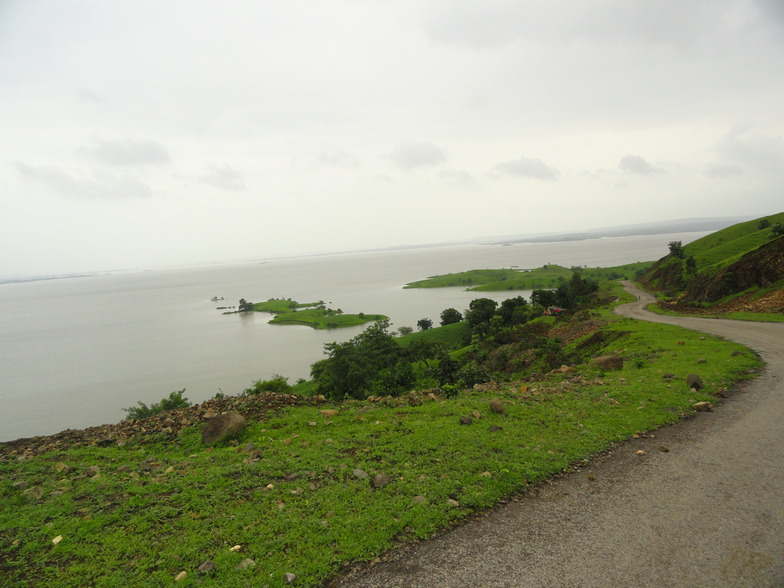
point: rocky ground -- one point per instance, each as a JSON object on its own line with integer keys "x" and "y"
{"x": 770, "y": 302}
{"x": 168, "y": 424}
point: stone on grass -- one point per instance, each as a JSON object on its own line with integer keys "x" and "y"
{"x": 246, "y": 563}
{"x": 361, "y": 474}
{"x": 181, "y": 576}
{"x": 290, "y": 578}
{"x": 452, "y": 502}
{"x": 379, "y": 480}
{"x": 206, "y": 567}
{"x": 702, "y": 406}
{"x": 496, "y": 406}
{"x": 694, "y": 381}
{"x": 465, "y": 420}
{"x": 608, "y": 362}
{"x": 419, "y": 499}
{"x": 223, "y": 427}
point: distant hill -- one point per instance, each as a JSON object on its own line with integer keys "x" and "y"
{"x": 744, "y": 258}
{"x": 684, "y": 225}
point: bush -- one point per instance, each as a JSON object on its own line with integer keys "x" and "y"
{"x": 174, "y": 401}
{"x": 277, "y": 384}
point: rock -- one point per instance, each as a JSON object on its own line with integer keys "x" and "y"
{"x": 452, "y": 502}
{"x": 668, "y": 376}
{"x": 694, "y": 381}
{"x": 419, "y": 499}
{"x": 290, "y": 578}
{"x": 361, "y": 474}
{"x": 702, "y": 360}
{"x": 477, "y": 414}
{"x": 702, "y": 406}
{"x": 640, "y": 452}
{"x": 223, "y": 427}
{"x": 329, "y": 412}
{"x": 496, "y": 406}
{"x": 246, "y": 563}
{"x": 663, "y": 448}
{"x": 608, "y": 362}
{"x": 494, "y": 428}
{"x": 464, "y": 420}
{"x": 181, "y": 576}
{"x": 379, "y": 480}
{"x": 206, "y": 568}
{"x": 566, "y": 369}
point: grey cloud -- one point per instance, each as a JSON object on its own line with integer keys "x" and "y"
{"x": 337, "y": 158}
{"x": 527, "y": 167}
{"x": 413, "y": 154}
{"x": 122, "y": 152}
{"x": 98, "y": 187}
{"x": 743, "y": 146}
{"x": 224, "y": 177}
{"x": 634, "y": 164}
{"x": 494, "y": 23}
{"x": 723, "y": 170}
{"x": 459, "y": 177}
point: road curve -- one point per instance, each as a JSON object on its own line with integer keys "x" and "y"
{"x": 709, "y": 512}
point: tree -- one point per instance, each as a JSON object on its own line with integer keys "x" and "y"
{"x": 479, "y": 313}
{"x": 543, "y": 298}
{"x": 509, "y": 311}
{"x": 676, "y": 249}
{"x": 763, "y": 224}
{"x": 403, "y": 331}
{"x": 141, "y": 410}
{"x": 244, "y": 305}
{"x": 778, "y": 230}
{"x": 351, "y": 368}
{"x": 424, "y": 324}
{"x": 450, "y": 316}
{"x": 691, "y": 265}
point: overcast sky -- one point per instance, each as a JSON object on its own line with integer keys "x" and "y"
{"x": 142, "y": 133}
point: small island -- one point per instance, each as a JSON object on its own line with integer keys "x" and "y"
{"x": 311, "y": 314}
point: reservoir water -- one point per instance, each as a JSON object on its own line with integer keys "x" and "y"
{"x": 74, "y": 352}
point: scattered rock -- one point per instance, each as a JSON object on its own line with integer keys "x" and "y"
{"x": 668, "y": 376}
{"x": 452, "y": 502}
{"x": 181, "y": 576}
{"x": 485, "y": 475}
{"x": 57, "y": 539}
{"x": 591, "y": 476}
{"x": 361, "y": 474}
{"x": 235, "y": 548}
{"x": 223, "y": 427}
{"x": 206, "y": 568}
{"x": 246, "y": 563}
{"x": 496, "y": 406}
{"x": 663, "y": 448}
{"x": 379, "y": 480}
{"x": 608, "y": 362}
{"x": 419, "y": 499}
{"x": 290, "y": 578}
{"x": 702, "y": 406}
{"x": 329, "y": 412}
{"x": 464, "y": 420}
{"x": 494, "y": 428}
{"x": 694, "y": 381}
{"x": 702, "y": 360}
{"x": 477, "y": 414}
{"x": 640, "y": 452}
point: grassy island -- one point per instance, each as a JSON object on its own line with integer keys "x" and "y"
{"x": 311, "y": 314}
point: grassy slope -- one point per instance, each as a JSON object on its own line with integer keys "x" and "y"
{"x": 287, "y": 493}
{"x": 550, "y": 276}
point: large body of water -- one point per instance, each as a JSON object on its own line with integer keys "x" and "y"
{"x": 74, "y": 352}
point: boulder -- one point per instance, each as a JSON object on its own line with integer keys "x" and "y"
{"x": 223, "y": 427}
{"x": 694, "y": 381}
{"x": 609, "y": 362}
{"x": 496, "y": 406}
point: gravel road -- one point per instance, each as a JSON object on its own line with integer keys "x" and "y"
{"x": 709, "y": 512}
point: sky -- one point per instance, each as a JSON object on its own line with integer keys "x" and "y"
{"x": 142, "y": 134}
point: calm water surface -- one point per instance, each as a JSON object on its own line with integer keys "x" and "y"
{"x": 74, "y": 352}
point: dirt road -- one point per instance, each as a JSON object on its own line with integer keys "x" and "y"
{"x": 709, "y": 512}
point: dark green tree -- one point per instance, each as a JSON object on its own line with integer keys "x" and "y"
{"x": 778, "y": 230}
{"x": 424, "y": 324}
{"x": 479, "y": 313}
{"x": 450, "y": 316}
{"x": 676, "y": 249}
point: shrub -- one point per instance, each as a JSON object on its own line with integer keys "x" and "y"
{"x": 277, "y": 384}
{"x": 174, "y": 401}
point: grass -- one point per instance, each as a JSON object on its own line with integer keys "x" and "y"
{"x": 288, "y": 495}
{"x": 549, "y": 276}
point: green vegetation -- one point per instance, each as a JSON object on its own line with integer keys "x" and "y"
{"x": 174, "y": 401}
{"x": 548, "y": 276}
{"x": 290, "y": 495}
{"x": 311, "y": 314}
